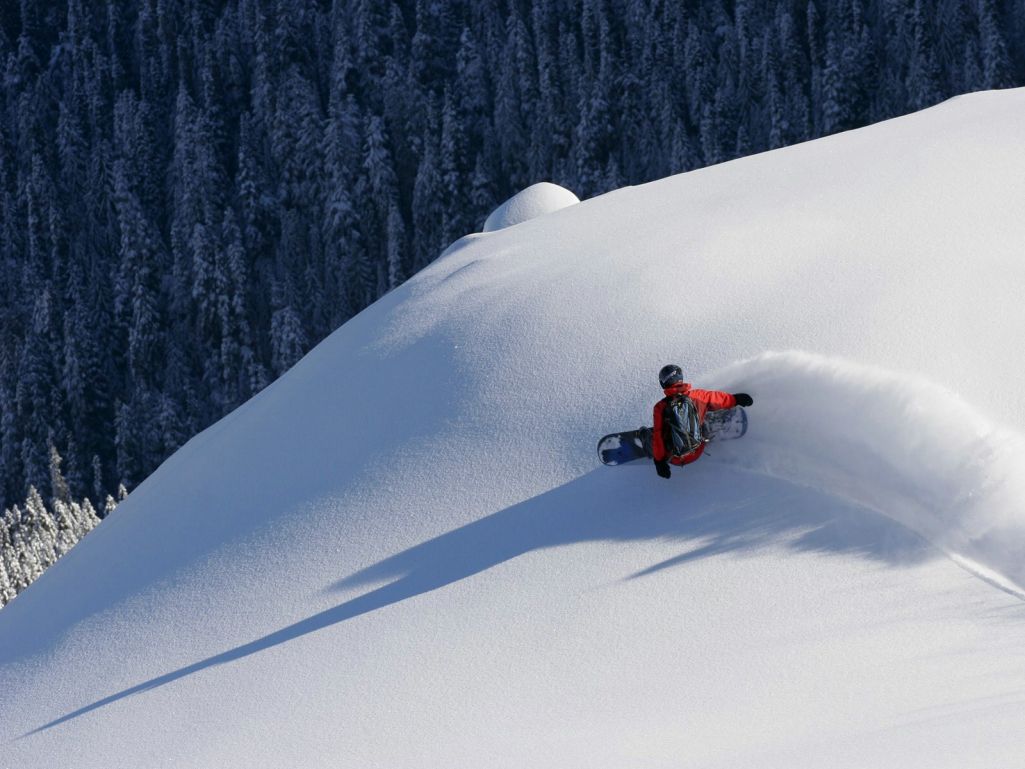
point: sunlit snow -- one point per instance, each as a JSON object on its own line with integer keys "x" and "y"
{"x": 537, "y": 199}
{"x": 405, "y": 553}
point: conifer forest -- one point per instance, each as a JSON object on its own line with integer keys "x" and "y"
{"x": 193, "y": 193}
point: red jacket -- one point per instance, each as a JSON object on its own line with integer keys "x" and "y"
{"x": 704, "y": 400}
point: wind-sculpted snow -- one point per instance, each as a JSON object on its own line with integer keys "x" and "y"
{"x": 896, "y": 443}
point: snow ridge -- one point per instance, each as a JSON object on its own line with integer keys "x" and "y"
{"x": 936, "y": 464}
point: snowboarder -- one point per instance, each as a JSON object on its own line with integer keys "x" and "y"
{"x": 677, "y": 437}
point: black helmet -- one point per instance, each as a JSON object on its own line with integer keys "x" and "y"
{"x": 670, "y": 375}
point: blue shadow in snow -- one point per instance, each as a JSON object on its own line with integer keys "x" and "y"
{"x": 710, "y": 509}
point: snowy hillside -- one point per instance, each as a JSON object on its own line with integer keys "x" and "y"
{"x": 404, "y": 552}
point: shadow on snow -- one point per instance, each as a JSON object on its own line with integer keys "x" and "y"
{"x": 709, "y": 509}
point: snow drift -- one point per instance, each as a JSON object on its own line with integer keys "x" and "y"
{"x": 404, "y": 552}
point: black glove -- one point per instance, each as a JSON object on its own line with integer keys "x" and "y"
{"x": 743, "y": 399}
{"x": 662, "y": 468}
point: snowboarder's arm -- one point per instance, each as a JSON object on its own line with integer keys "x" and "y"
{"x": 658, "y": 448}
{"x": 714, "y": 399}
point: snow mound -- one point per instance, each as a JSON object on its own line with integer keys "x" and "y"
{"x": 896, "y": 443}
{"x": 537, "y": 199}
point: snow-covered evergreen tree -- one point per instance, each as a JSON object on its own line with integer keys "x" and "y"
{"x": 33, "y": 537}
{"x": 6, "y": 585}
{"x": 288, "y": 340}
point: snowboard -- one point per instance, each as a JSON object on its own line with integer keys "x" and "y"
{"x": 620, "y": 448}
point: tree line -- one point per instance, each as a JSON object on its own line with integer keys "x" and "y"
{"x": 34, "y": 535}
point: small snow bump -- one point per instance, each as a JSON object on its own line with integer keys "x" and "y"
{"x": 536, "y": 200}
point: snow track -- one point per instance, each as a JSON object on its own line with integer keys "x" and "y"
{"x": 895, "y": 443}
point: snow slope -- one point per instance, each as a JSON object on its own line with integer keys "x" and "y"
{"x": 404, "y": 554}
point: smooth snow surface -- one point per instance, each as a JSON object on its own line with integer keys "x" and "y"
{"x": 405, "y": 553}
{"x": 537, "y": 199}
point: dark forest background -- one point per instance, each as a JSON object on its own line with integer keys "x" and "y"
{"x": 193, "y": 193}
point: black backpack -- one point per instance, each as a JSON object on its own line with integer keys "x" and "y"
{"x": 681, "y": 427}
